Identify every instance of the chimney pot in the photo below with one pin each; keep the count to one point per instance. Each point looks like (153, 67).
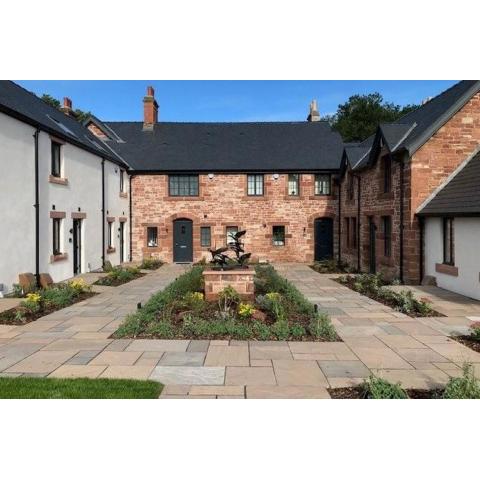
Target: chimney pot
(150, 109)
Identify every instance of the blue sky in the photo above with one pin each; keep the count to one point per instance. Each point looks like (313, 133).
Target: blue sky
(239, 101)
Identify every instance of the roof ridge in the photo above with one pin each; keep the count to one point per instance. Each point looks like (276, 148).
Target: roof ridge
(299, 122)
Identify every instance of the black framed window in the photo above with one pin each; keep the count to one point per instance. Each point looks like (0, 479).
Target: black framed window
(56, 159)
(232, 230)
(387, 174)
(152, 237)
(294, 184)
(255, 184)
(448, 241)
(110, 234)
(278, 235)
(57, 224)
(205, 236)
(183, 185)
(387, 236)
(122, 181)
(322, 184)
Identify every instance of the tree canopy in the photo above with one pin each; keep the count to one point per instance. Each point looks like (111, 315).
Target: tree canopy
(358, 118)
(80, 115)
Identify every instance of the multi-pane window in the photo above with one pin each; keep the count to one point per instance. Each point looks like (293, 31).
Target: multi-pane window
(347, 231)
(230, 232)
(293, 184)
(183, 185)
(448, 241)
(387, 174)
(387, 236)
(122, 181)
(56, 160)
(205, 236)
(322, 184)
(353, 230)
(57, 224)
(278, 235)
(152, 236)
(255, 184)
(110, 234)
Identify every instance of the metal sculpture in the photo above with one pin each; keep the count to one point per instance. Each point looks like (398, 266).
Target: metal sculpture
(223, 261)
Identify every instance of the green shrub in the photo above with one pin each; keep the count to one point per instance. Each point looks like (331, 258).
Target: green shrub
(297, 331)
(464, 387)
(17, 291)
(281, 330)
(321, 327)
(261, 331)
(151, 263)
(107, 266)
(329, 266)
(378, 388)
(475, 331)
(59, 297)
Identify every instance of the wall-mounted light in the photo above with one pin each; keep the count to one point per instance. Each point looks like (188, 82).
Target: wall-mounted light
(53, 207)
(275, 176)
(204, 215)
(210, 176)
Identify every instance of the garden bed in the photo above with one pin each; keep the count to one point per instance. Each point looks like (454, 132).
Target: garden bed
(357, 393)
(45, 301)
(119, 276)
(329, 266)
(469, 341)
(150, 263)
(374, 287)
(279, 312)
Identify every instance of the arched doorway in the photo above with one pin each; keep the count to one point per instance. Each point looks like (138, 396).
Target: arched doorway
(323, 235)
(182, 240)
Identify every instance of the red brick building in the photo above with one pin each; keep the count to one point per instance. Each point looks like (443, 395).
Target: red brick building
(300, 193)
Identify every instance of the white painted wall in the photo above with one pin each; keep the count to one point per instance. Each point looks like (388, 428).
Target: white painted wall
(467, 255)
(84, 191)
(17, 197)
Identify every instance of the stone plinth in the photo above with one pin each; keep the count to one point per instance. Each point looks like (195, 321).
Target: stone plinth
(240, 280)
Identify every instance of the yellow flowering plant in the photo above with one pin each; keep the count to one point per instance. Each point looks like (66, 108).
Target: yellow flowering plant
(34, 297)
(245, 310)
(80, 285)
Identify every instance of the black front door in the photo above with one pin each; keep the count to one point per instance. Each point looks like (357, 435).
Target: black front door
(372, 234)
(182, 241)
(77, 247)
(122, 242)
(323, 228)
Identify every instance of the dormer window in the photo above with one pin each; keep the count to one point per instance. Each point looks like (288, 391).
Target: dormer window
(122, 181)
(56, 160)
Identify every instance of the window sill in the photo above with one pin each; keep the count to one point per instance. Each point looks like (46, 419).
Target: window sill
(123, 195)
(188, 198)
(446, 269)
(111, 250)
(58, 258)
(322, 197)
(58, 180)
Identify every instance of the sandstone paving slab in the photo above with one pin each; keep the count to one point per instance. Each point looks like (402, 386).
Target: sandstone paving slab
(222, 390)
(226, 355)
(91, 336)
(40, 325)
(187, 397)
(250, 376)
(433, 339)
(367, 342)
(176, 390)
(72, 344)
(344, 369)
(115, 358)
(230, 397)
(219, 342)
(78, 371)
(400, 341)
(42, 362)
(356, 322)
(416, 379)
(359, 331)
(318, 356)
(291, 391)
(135, 372)
(267, 352)
(83, 357)
(158, 345)
(380, 358)
(416, 328)
(345, 382)
(260, 363)
(456, 352)
(10, 333)
(198, 345)
(298, 372)
(149, 359)
(450, 368)
(420, 355)
(183, 359)
(189, 375)
(320, 350)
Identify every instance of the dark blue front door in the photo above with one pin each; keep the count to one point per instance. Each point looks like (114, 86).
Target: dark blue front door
(323, 229)
(182, 241)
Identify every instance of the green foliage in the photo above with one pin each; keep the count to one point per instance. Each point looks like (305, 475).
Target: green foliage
(228, 299)
(475, 331)
(465, 387)
(245, 311)
(329, 266)
(79, 115)
(378, 388)
(281, 330)
(17, 291)
(107, 266)
(359, 117)
(150, 263)
(119, 275)
(261, 331)
(59, 297)
(321, 327)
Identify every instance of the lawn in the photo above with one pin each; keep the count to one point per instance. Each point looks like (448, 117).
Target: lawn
(58, 388)
(278, 312)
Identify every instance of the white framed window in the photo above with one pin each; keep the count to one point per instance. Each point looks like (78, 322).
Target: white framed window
(322, 184)
(56, 170)
(255, 184)
(57, 236)
(111, 235)
(293, 184)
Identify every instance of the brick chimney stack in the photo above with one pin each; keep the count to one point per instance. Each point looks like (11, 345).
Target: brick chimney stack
(67, 107)
(150, 109)
(314, 115)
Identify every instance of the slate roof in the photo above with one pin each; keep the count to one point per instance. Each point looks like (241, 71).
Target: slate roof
(460, 195)
(26, 106)
(209, 147)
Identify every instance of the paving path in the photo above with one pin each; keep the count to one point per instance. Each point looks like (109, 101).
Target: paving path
(74, 342)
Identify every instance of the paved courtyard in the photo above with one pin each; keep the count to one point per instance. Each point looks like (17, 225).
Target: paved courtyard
(74, 342)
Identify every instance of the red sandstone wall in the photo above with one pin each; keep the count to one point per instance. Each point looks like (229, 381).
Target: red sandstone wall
(222, 202)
